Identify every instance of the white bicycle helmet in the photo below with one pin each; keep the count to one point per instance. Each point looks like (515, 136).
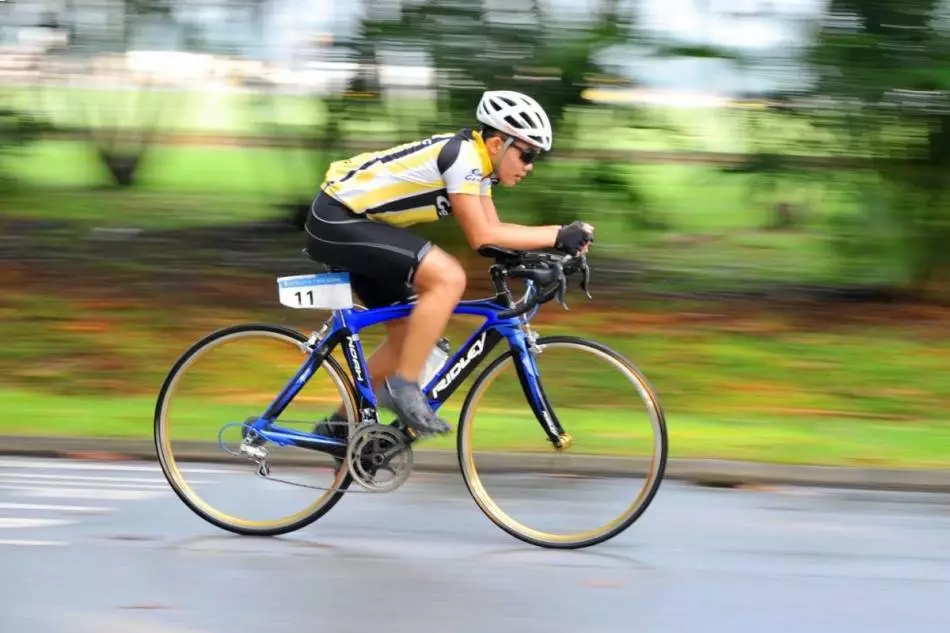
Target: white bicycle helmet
(516, 114)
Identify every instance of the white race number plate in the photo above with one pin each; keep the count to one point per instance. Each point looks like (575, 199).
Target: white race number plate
(326, 291)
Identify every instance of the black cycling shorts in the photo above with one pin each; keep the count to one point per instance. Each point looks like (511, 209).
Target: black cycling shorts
(380, 258)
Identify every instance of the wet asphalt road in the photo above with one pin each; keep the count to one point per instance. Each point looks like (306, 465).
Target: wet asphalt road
(106, 547)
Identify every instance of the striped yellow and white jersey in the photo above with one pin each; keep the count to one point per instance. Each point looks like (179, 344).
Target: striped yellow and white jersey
(409, 183)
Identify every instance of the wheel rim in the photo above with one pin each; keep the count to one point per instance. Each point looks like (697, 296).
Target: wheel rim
(170, 464)
(655, 464)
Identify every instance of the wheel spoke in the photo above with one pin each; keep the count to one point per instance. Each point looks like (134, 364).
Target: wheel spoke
(201, 391)
(585, 370)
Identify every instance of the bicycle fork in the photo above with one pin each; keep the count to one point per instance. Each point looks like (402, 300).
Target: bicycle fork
(524, 349)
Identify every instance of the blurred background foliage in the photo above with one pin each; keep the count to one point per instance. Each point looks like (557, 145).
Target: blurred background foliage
(771, 170)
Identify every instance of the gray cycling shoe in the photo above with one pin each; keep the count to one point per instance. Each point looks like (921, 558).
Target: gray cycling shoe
(406, 400)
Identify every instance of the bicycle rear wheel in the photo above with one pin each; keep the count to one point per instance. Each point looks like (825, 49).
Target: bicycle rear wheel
(224, 380)
(599, 398)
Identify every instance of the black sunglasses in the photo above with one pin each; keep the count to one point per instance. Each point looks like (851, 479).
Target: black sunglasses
(528, 156)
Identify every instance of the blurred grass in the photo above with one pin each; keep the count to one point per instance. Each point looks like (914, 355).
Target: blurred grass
(826, 385)
(739, 386)
(790, 440)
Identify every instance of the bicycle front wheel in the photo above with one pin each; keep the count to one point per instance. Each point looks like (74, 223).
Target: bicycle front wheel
(564, 499)
(230, 377)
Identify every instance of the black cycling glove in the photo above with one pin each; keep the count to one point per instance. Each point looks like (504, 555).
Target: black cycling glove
(572, 237)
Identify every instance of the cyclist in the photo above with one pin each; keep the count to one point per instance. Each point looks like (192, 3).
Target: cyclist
(357, 222)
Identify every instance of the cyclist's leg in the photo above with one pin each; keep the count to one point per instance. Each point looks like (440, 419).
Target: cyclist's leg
(380, 364)
(383, 361)
(385, 358)
(383, 261)
(440, 281)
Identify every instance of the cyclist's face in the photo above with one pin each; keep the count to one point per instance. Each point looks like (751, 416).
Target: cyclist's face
(517, 163)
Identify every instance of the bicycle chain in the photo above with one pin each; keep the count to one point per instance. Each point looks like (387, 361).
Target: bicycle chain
(263, 469)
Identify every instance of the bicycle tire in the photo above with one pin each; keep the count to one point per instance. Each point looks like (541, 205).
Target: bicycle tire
(534, 537)
(163, 447)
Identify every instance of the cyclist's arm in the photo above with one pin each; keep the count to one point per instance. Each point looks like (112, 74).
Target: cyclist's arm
(479, 230)
(466, 186)
(492, 213)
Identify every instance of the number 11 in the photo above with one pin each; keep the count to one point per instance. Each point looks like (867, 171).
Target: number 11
(300, 297)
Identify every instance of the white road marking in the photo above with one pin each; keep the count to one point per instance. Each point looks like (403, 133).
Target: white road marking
(153, 481)
(68, 483)
(87, 493)
(54, 508)
(27, 543)
(72, 465)
(107, 483)
(17, 522)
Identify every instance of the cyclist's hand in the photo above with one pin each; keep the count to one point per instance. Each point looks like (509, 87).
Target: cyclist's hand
(574, 238)
(590, 231)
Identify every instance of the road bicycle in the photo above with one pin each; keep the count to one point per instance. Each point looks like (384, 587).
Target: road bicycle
(378, 456)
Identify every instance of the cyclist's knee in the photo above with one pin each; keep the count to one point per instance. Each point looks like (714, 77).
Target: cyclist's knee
(439, 271)
(455, 279)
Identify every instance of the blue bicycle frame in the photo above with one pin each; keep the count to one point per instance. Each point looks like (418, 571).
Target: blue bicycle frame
(344, 328)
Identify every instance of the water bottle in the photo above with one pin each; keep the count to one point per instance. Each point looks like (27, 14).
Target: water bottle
(435, 361)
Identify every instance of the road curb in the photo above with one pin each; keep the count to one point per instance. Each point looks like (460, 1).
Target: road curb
(706, 472)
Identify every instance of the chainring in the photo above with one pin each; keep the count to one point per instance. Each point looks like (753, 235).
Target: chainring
(379, 458)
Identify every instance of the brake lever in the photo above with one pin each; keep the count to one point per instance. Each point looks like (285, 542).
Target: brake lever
(562, 287)
(585, 281)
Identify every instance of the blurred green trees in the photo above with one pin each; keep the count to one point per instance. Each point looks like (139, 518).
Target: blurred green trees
(871, 93)
(886, 67)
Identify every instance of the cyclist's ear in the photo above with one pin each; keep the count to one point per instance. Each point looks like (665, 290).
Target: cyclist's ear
(494, 144)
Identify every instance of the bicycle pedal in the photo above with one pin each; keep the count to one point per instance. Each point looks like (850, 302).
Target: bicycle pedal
(409, 432)
(415, 435)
